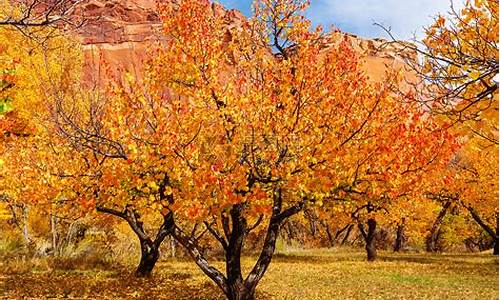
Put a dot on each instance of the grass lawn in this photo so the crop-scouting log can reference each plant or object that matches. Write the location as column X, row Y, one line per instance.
column 315, row 274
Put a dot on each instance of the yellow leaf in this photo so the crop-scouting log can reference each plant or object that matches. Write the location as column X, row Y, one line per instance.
column 168, row 190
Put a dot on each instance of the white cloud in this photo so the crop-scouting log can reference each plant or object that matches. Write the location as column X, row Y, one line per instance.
column 405, row 17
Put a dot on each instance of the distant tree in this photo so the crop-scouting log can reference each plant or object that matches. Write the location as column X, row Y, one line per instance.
column 456, row 67
column 473, row 185
column 26, row 180
column 457, row 71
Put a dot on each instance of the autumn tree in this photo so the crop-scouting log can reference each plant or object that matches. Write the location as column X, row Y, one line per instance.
column 393, row 173
column 109, row 172
column 473, row 185
column 236, row 127
column 29, row 173
column 269, row 124
column 43, row 168
column 274, row 130
column 456, row 71
column 456, row 67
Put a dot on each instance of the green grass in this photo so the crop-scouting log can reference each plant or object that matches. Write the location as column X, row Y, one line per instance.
column 314, row 274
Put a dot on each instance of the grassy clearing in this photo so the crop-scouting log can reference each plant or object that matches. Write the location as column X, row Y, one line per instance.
column 315, row 274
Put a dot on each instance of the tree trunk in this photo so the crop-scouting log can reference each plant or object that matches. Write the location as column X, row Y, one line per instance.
column 238, row 291
column 172, row 246
column 331, row 240
column 150, row 249
column 233, row 285
column 493, row 233
column 149, row 257
column 236, row 287
column 53, row 229
column 371, row 250
column 431, row 240
column 348, row 233
column 26, row 235
column 398, row 245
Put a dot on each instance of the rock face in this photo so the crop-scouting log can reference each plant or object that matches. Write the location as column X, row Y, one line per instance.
column 115, row 21
column 376, row 55
column 118, row 32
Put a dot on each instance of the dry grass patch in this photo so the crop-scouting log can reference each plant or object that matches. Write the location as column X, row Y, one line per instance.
column 316, row 274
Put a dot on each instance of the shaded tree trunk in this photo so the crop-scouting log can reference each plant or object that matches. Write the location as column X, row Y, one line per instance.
column 369, row 236
column 400, row 239
column 431, row 240
column 149, row 257
column 492, row 233
column 338, row 232
column 331, row 239
column 348, row 233
column 150, row 249
column 236, row 288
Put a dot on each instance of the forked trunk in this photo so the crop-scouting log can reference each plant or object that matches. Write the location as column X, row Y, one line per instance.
column 150, row 249
column 235, row 230
column 238, row 291
column 149, row 257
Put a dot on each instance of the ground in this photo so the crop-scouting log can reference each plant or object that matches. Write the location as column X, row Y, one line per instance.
column 315, row 274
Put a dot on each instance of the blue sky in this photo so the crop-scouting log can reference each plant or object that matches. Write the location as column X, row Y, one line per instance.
column 405, row 17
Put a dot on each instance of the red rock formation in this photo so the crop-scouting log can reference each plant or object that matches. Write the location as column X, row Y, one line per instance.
column 118, row 32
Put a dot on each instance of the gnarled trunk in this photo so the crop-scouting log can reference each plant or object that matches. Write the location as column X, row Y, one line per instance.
column 493, row 233
column 149, row 257
column 234, row 286
column 149, row 248
column 431, row 240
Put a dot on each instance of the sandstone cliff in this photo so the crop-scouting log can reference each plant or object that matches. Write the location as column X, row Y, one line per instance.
column 118, row 32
